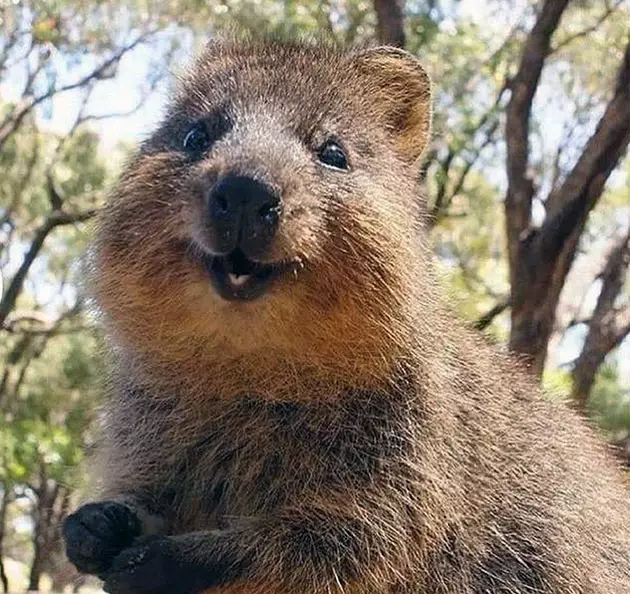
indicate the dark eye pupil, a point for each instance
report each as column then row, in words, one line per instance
column 331, row 154
column 197, row 139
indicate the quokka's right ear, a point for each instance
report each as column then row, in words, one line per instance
column 401, row 88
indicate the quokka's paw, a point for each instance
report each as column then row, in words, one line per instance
column 154, row 565
column 97, row 532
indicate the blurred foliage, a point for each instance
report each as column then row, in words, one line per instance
column 49, row 377
column 610, row 403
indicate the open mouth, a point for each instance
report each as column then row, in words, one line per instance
column 236, row 277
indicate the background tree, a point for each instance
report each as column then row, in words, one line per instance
column 52, row 184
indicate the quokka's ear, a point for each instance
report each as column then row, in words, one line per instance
column 398, row 85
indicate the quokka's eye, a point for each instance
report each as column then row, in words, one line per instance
column 332, row 154
column 197, row 139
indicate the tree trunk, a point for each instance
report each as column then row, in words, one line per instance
column 44, row 515
column 38, row 546
column 4, row 503
column 390, row 22
column 622, row 449
column 61, row 571
column 584, row 374
column 609, row 324
column 540, row 258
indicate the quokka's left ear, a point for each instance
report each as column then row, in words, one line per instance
column 401, row 88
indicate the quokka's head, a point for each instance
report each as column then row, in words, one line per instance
column 274, row 208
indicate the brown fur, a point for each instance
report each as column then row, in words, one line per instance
column 344, row 431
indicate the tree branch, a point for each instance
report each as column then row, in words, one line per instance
column 610, row 9
column 56, row 200
column 540, row 259
column 10, row 40
column 442, row 200
column 438, row 208
column 523, row 87
column 55, row 219
column 608, row 327
column 486, row 319
column 41, row 324
column 569, row 206
column 14, row 119
column 470, row 162
column 18, row 195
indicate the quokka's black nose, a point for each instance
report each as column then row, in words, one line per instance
column 242, row 212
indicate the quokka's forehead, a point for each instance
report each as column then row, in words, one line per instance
column 286, row 57
column 299, row 77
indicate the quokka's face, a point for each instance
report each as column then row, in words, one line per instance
column 276, row 200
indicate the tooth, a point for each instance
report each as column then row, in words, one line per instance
column 238, row 280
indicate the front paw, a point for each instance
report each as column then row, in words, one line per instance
column 97, row 532
column 155, row 565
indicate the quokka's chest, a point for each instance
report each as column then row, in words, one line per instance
column 264, row 456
